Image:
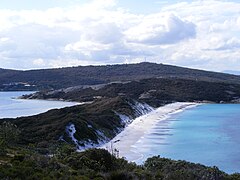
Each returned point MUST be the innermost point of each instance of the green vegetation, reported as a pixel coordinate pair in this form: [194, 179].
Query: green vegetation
[90, 75]
[44, 129]
[65, 163]
[61, 161]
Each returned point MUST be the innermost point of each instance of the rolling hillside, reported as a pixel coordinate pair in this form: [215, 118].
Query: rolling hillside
[92, 75]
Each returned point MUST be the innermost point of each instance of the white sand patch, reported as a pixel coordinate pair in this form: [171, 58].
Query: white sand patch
[124, 142]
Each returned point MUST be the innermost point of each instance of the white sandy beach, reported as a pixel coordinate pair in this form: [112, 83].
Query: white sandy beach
[125, 141]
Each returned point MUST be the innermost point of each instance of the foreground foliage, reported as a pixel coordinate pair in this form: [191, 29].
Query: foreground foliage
[98, 164]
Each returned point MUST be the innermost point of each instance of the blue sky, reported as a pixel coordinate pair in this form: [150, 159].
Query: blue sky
[139, 6]
[200, 34]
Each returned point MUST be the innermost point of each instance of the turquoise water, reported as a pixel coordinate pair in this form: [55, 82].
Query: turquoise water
[207, 134]
[11, 107]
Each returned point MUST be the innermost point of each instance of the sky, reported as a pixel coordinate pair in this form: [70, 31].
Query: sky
[202, 34]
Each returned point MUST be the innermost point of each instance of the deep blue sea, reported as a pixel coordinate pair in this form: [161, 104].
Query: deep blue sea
[208, 134]
[10, 107]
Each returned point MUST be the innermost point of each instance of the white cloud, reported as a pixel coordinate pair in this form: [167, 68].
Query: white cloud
[160, 29]
[200, 34]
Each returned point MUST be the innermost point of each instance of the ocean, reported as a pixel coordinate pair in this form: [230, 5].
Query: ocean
[208, 134]
[10, 107]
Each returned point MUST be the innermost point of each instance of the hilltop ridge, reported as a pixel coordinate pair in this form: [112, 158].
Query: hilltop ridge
[92, 75]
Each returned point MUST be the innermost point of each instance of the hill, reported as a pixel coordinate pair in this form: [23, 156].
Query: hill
[154, 91]
[84, 126]
[92, 75]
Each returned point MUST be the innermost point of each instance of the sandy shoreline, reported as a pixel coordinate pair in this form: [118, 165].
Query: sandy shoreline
[125, 141]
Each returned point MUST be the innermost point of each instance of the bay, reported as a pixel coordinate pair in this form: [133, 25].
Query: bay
[11, 107]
